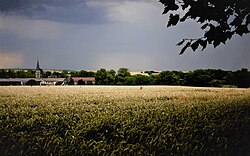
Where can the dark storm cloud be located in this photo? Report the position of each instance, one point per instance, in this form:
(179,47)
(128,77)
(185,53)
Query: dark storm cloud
(65,11)
(71,36)
(35,5)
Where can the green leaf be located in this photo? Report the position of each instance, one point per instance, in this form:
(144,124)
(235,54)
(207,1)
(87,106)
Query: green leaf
(173,7)
(237,21)
(229,34)
(203,44)
(248,19)
(173,20)
(169,5)
(204,26)
(162,1)
(241,30)
(195,45)
(180,43)
(166,10)
(184,17)
(184,48)
(201,20)
(216,43)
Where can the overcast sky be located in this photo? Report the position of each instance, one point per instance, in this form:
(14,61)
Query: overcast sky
(93,34)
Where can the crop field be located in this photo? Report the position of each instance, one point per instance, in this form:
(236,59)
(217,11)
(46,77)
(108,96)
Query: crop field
(124,120)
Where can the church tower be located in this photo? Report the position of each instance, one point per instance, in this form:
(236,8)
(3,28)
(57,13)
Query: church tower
(38,70)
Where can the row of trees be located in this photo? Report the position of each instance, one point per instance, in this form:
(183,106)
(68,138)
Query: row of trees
(16,74)
(65,74)
(82,73)
(9,73)
(200,77)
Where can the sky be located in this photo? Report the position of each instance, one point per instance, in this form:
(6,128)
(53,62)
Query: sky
(94,34)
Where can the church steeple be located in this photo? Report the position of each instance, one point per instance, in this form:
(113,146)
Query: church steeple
(38,70)
(37,65)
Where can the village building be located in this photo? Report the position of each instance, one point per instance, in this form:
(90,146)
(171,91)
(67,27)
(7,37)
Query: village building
(39,80)
(53,81)
(13,82)
(19,81)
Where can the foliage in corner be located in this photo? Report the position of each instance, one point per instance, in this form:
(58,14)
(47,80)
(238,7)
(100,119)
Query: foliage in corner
(219,19)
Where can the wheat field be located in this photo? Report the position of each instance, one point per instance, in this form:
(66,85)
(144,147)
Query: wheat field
(124,120)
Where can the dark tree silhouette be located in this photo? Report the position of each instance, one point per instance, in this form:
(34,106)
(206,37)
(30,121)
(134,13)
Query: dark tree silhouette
(81,82)
(33,82)
(220,19)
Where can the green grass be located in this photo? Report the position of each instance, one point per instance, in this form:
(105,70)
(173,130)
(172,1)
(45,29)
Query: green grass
(124,121)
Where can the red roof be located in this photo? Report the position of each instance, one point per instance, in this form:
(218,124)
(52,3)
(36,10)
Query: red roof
(83,78)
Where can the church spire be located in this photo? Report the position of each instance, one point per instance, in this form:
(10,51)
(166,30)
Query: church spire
(37,65)
(38,70)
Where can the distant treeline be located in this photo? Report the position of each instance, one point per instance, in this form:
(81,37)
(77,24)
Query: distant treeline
(199,77)
(9,73)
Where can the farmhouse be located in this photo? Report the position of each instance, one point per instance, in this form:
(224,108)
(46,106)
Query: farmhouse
(19,81)
(52,81)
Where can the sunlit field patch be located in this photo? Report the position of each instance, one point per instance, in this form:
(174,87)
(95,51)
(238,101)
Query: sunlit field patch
(124,120)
